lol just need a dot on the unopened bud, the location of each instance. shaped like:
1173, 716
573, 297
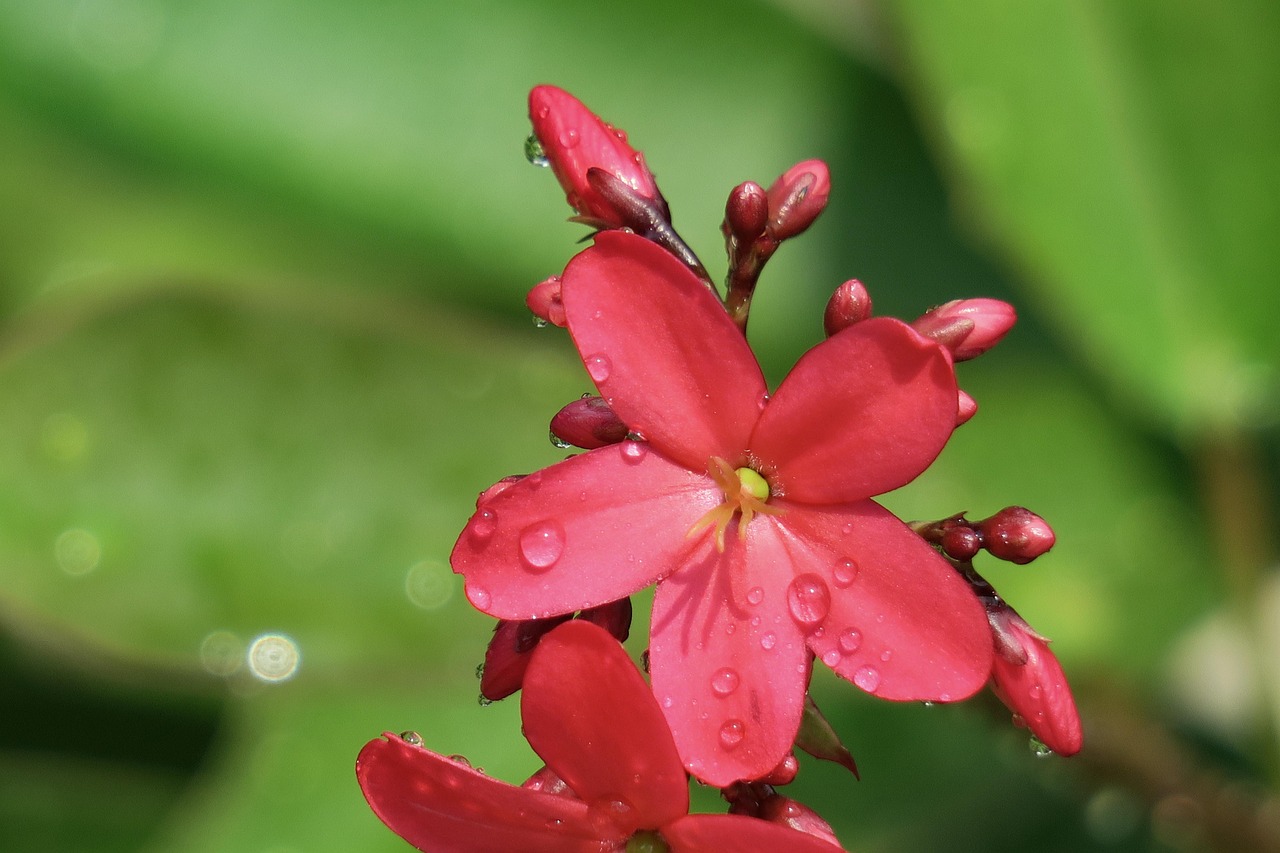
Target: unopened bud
545, 303
614, 617
746, 213
961, 542
1016, 534
848, 305
967, 327
509, 652
1035, 688
797, 197
588, 423
573, 140
966, 407
788, 812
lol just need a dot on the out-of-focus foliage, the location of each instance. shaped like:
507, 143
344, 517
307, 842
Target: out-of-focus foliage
262, 340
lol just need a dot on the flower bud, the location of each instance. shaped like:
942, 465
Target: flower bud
967, 327
1036, 689
797, 197
614, 617
1016, 534
574, 140
588, 423
961, 542
544, 301
848, 305
788, 812
746, 213
509, 652
966, 407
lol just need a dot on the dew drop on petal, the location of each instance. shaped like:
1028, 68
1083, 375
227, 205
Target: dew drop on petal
558, 442
755, 595
1036, 691
411, 738
479, 597
483, 525
831, 657
731, 734
868, 678
845, 573
850, 640
460, 759
809, 600
569, 138
541, 545
634, 451
768, 641
599, 367
724, 681
886, 655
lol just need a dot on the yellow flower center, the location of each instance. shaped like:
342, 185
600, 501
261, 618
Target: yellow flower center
745, 492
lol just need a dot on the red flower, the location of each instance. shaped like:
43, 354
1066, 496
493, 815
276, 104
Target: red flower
1029, 680
589, 715
751, 512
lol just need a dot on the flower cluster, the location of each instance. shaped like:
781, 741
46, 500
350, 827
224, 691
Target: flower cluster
751, 510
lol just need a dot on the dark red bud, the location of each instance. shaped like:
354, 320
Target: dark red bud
797, 198
1016, 534
510, 650
614, 617
961, 542
967, 327
573, 140
544, 301
747, 212
588, 423
848, 305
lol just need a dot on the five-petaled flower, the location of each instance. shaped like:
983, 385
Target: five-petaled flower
752, 512
590, 716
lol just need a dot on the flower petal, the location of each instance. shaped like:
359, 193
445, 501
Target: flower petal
861, 413
444, 806
1038, 692
901, 623
729, 667
710, 833
661, 349
590, 530
590, 715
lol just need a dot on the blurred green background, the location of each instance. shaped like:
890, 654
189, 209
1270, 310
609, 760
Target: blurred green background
262, 340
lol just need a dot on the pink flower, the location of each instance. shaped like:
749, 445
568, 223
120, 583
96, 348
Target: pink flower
1029, 680
575, 140
751, 512
590, 716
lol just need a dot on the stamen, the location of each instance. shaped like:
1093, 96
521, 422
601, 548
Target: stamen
745, 492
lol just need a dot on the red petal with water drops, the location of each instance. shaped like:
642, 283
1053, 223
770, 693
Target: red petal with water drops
1038, 692
442, 805
705, 833
729, 666
901, 623
590, 530
661, 349
861, 413
589, 714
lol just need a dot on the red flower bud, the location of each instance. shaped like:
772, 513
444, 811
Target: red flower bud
961, 542
797, 197
746, 213
1016, 534
587, 423
572, 140
848, 305
1036, 689
509, 653
614, 617
544, 301
967, 327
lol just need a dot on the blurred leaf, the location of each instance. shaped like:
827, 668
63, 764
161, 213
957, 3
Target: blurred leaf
1123, 155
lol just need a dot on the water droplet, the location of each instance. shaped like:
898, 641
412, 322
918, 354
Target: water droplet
1036, 691
412, 738
667, 701
544, 111
809, 600
755, 595
1038, 747
768, 641
634, 451
557, 441
850, 640
725, 681
764, 401
598, 367
886, 655
868, 678
483, 525
926, 704
534, 153
847, 528
755, 621
480, 670
569, 138
541, 545
845, 573
831, 657
540, 322
483, 700
460, 759
731, 734
478, 597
